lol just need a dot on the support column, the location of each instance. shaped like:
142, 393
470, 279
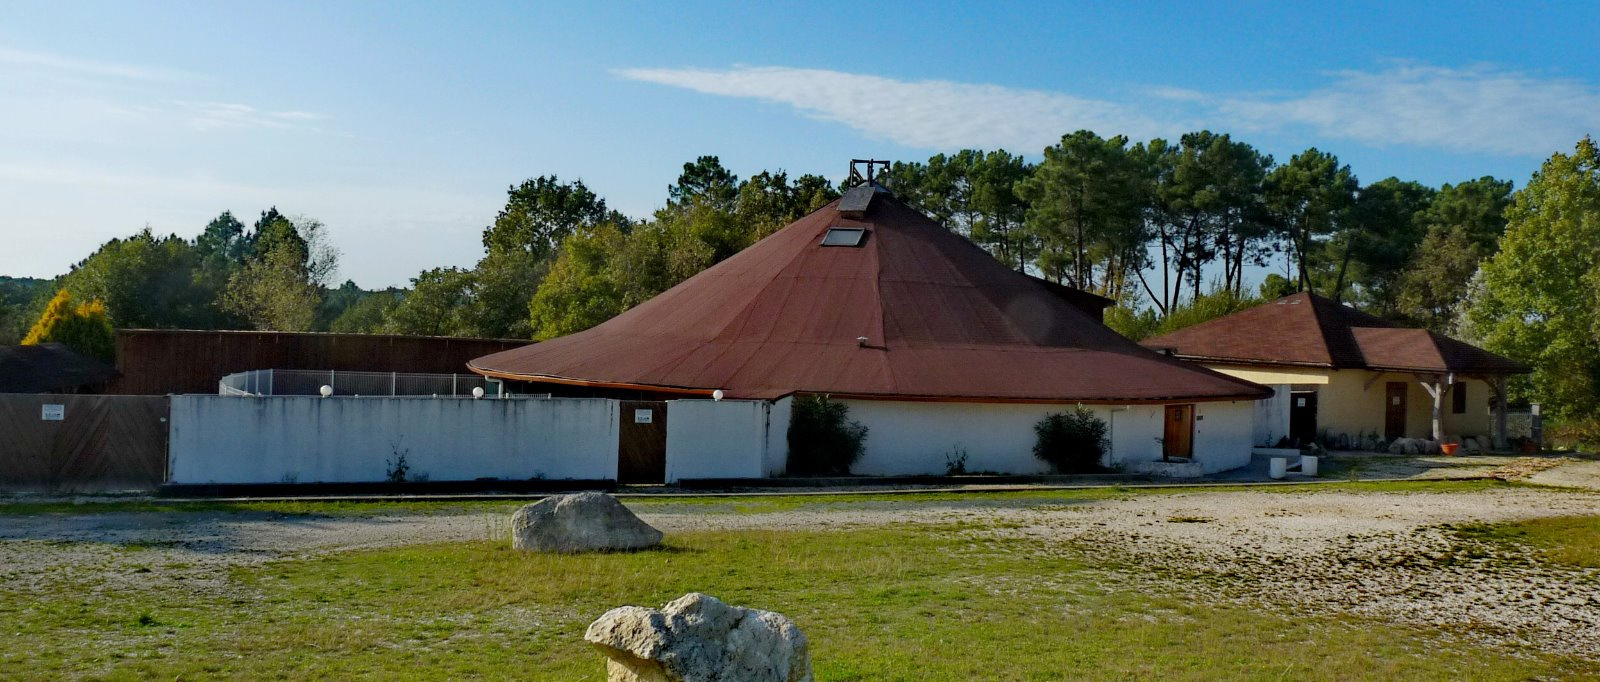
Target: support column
1436, 390
1498, 385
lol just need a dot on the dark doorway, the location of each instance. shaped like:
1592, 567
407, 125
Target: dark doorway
1302, 417
1394, 410
1178, 437
642, 442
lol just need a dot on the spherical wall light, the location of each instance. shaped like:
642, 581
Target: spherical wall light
326, 390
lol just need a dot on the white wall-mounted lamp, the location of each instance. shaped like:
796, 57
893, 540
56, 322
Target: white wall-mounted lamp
326, 390
717, 394
477, 392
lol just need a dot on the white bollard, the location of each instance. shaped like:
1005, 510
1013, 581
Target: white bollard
1308, 465
1278, 468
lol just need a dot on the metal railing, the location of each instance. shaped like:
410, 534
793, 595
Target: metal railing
264, 382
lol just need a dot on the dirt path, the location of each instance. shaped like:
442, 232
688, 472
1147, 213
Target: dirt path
1374, 553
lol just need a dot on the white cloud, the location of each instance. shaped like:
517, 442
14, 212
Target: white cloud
926, 114
221, 115
1479, 109
85, 67
1472, 110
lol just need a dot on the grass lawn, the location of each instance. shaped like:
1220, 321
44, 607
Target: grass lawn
742, 504
880, 604
1567, 540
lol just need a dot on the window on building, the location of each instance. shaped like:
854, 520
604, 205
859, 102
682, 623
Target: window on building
844, 236
1458, 398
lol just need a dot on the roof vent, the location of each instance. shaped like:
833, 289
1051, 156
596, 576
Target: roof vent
855, 201
858, 198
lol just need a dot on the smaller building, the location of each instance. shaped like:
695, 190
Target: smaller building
51, 368
1350, 376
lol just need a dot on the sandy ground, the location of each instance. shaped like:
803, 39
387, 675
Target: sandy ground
1383, 554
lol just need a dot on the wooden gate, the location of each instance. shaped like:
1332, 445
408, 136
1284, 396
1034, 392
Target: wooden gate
1394, 410
82, 443
642, 442
1178, 436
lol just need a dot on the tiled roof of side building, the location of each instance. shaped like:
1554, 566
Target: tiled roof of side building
1305, 329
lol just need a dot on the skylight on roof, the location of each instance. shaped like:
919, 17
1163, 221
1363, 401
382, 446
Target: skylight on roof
844, 236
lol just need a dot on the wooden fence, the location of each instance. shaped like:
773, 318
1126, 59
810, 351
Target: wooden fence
162, 361
99, 443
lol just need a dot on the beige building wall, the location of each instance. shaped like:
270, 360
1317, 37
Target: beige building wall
1350, 401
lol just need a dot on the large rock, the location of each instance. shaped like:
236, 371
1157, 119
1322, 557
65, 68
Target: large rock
698, 638
585, 522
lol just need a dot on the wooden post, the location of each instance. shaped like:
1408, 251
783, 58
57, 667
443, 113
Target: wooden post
1498, 385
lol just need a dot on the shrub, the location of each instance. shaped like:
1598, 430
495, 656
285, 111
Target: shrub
83, 327
822, 439
1072, 442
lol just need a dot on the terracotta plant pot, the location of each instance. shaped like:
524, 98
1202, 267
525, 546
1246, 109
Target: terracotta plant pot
1449, 449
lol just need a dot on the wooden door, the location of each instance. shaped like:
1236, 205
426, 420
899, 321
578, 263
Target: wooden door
642, 442
1178, 437
1302, 417
1394, 410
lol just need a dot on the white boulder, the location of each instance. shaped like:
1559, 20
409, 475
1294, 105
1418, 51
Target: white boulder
584, 522
698, 638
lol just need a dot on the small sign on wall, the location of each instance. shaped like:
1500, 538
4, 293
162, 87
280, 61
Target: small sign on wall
53, 413
644, 416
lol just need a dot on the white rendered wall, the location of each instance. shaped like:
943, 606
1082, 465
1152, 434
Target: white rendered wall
716, 439
906, 438
1271, 417
1223, 434
777, 458
308, 439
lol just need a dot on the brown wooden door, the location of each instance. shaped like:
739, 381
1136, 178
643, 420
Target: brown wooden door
642, 442
1394, 410
1178, 436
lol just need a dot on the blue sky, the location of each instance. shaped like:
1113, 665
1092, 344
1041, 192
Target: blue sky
401, 125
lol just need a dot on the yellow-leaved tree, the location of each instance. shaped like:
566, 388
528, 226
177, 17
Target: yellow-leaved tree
83, 327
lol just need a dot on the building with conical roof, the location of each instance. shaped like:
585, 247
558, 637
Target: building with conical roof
935, 345
1340, 371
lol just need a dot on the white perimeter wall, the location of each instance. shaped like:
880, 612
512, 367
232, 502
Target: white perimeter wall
309, 439
906, 438
717, 439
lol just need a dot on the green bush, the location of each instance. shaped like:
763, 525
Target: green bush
1072, 442
822, 439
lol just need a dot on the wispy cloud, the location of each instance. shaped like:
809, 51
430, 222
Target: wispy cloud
1473, 110
1479, 109
224, 115
929, 114
85, 67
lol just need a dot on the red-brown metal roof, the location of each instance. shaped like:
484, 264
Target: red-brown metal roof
1308, 330
943, 320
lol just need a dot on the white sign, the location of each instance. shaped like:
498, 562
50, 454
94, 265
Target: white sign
53, 413
644, 416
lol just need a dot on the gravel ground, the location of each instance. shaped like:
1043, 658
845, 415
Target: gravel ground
1374, 553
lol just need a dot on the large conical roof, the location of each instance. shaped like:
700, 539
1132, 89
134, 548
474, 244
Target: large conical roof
942, 319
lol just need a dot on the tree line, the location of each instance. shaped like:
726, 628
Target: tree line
1177, 232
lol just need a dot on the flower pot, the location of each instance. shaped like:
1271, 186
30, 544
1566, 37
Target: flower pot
1449, 449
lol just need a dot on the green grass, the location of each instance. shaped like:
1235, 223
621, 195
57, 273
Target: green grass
884, 604
1565, 540
751, 504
